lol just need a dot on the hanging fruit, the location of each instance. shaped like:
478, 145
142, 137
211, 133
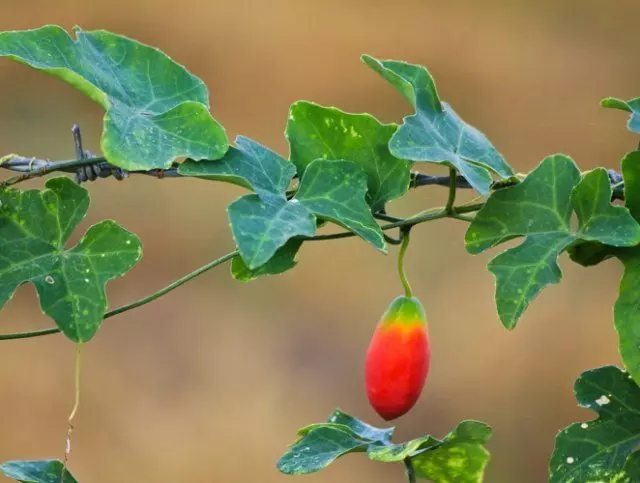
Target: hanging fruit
397, 360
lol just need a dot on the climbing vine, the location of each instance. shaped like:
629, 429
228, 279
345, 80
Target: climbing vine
343, 169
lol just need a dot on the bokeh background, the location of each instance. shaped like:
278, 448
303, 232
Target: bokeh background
210, 383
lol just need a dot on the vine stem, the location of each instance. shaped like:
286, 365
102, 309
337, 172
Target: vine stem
429, 215
76, 405
403, 250
135, 304
452, 191
411, 475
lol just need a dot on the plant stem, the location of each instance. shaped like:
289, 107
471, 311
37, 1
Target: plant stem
452, 191
403, 250
137, 303
408, 465
76, 404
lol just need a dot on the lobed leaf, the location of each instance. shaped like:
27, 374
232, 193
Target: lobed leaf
249, 164
603, 449
317, 132
156, 111
261, 225
332, 190
39, 471
539, 209
435, 133
34, 227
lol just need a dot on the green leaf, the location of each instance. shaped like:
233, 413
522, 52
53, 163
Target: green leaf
331, 190
34, 227
156, 111
436, 134
320, 447
261, 225
398, 452
317, 132
42, 471
283, 259
250, 165
632, 106
362, 429
599, 450
460, 458
589, 253
626, 309
631, 176
412, 81
539, 208
335, 190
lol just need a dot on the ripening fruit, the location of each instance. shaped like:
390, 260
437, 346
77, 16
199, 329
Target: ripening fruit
398, 359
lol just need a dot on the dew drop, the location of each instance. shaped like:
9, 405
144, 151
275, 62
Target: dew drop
602, 400
49, 279
570, 460
584, 425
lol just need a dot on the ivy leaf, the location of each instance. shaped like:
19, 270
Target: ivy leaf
539, 208
41, 471
261, 225
317, 132
460, 457
255, 167
632, 106
335, 190
362, 429
331, 190
599, 450
156, 111
34, 227
435, 133
412, 81
283, 259
249, 164
320, 447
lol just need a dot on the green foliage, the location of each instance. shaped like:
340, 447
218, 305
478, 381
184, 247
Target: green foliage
332, 190
344, 169
249, 164
540, 209
460, 456
34, 227
435, 133
603, 449
632, 106
42, 471
316, 132
156, 111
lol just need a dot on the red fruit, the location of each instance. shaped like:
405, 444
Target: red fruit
397, 360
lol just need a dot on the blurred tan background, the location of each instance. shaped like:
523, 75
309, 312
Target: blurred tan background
210, 383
